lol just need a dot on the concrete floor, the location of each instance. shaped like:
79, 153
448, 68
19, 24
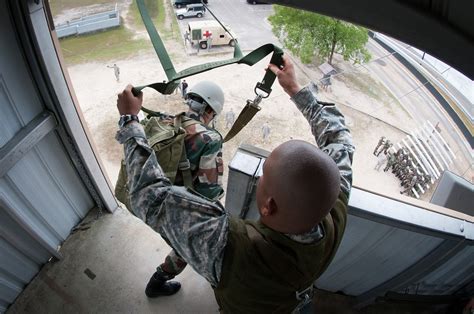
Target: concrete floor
107, 262
105, 267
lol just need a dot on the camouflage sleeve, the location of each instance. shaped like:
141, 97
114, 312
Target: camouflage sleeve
329, 130
211, 170
195, 228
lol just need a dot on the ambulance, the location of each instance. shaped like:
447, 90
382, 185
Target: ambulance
202, 33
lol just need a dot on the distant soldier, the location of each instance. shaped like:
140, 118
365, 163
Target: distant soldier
116, 71
419, 181
427, 180
326, 81
399, 165
410, 186
382, 159
209, 43
406, 156
184, 88
386, 147
391, 160
380, 143
402, 170
265, 132
229, 118
406, 179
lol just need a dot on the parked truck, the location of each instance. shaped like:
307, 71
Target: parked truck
203, 33
191, 10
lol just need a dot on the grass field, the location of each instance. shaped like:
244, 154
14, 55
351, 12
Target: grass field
117, 43
58, 6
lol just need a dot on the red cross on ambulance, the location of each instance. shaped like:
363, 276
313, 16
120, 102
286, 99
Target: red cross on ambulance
207, 34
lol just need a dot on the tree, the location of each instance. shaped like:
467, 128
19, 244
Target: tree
307, 34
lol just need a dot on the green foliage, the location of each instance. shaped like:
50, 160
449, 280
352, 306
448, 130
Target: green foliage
307, 34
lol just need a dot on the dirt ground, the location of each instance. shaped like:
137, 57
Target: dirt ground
369, 114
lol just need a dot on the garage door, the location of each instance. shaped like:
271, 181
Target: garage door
42, 196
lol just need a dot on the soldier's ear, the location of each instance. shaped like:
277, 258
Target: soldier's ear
269, 207
272, 206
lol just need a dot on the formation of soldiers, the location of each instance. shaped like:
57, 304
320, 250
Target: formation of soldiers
404, 166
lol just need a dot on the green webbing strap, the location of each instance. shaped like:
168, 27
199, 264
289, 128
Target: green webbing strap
245, 116
156, 41
173, 77
251, 108
185, 172
184, 166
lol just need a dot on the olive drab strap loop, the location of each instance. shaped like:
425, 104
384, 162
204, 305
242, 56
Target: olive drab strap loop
269, 78
184, 165
156, 41
174, 77
252, 107
249, 111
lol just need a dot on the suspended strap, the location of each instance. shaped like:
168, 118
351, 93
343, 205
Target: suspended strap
249, 111
184, 164
185, 168
262, 89
174, 77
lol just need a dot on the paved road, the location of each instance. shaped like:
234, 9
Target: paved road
249, 22
419, 102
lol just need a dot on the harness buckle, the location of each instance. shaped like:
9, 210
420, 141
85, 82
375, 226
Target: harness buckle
261, 87
305, 294
254, 103
305, 298
184, 165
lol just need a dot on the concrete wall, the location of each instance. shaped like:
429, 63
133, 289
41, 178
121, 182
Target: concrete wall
88, 24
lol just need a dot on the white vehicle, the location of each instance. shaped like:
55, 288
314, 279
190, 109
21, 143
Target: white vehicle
191, 10
203, 33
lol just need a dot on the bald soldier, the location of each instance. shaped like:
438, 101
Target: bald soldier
302, 196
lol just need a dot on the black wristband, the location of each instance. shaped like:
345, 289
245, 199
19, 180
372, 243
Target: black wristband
126, 118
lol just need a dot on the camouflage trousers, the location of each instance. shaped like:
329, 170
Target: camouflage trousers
172, 266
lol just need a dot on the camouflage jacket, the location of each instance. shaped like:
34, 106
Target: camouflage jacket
204, 151
196, 228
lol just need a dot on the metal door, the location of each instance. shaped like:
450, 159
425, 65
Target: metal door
42, 196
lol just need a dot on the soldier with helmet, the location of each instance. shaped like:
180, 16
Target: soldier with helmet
204, 151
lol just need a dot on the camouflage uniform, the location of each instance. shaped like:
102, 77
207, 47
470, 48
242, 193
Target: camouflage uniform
203, 149
197, 228
390, 162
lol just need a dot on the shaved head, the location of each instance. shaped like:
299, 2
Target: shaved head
298, 188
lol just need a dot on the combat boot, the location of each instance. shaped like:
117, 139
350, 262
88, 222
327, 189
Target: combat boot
160, 286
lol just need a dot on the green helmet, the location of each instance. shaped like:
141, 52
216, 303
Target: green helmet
211, 93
